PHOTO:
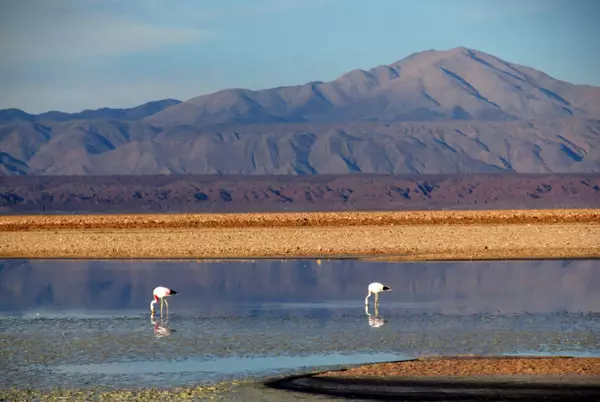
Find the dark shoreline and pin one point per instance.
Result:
(519, 387)
(442, 389)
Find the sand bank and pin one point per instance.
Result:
(457, 378)
(436, 235)
(476, 366)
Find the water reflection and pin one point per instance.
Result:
(215, 287)
(161, 327)
(76, 323)
(374, 320)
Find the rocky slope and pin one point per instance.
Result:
(454, 111)
(184, 193)
(460, 83)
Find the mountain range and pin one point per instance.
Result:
(452, 111)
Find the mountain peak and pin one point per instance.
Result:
(458, 110)
(461, 50)
(449, 84)
(457, 83)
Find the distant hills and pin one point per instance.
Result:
(453, 111)
(131, 114)
(211, 193)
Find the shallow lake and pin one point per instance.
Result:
(87, 323)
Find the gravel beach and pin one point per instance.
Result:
(434, 235)
(476, 366)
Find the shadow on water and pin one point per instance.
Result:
(88, 322)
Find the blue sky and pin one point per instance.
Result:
(72, 55)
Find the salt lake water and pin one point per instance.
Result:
(78, 323)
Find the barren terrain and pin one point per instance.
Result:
(476, 366)
(418, 235)
(205, 193)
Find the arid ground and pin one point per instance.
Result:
(458, 378)
(300, 193)
(476, 366)
(409, 235)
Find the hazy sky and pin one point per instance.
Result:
(72, 55)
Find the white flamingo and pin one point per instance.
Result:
(161, 292)
(375, 288)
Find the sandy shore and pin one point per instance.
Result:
(191, 393)
(476, 366)
(437, 378)
(457, 378)
(436, 235)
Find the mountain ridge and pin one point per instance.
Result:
(450, 111)
(422, 86)
(14, 115)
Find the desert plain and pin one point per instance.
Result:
(465, 366)
(405, 235)
(399, 235)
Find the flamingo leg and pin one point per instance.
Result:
(167, 304)
(376, 298)
(161, 306)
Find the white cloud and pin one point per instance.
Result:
(45, 32)
(36, 30)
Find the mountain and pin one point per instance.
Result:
(461, 84)
(117, 148)
(453, 111)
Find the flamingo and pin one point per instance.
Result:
(375, 288)
(160, 292)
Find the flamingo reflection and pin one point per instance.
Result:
(161, 328)
(374, 320)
